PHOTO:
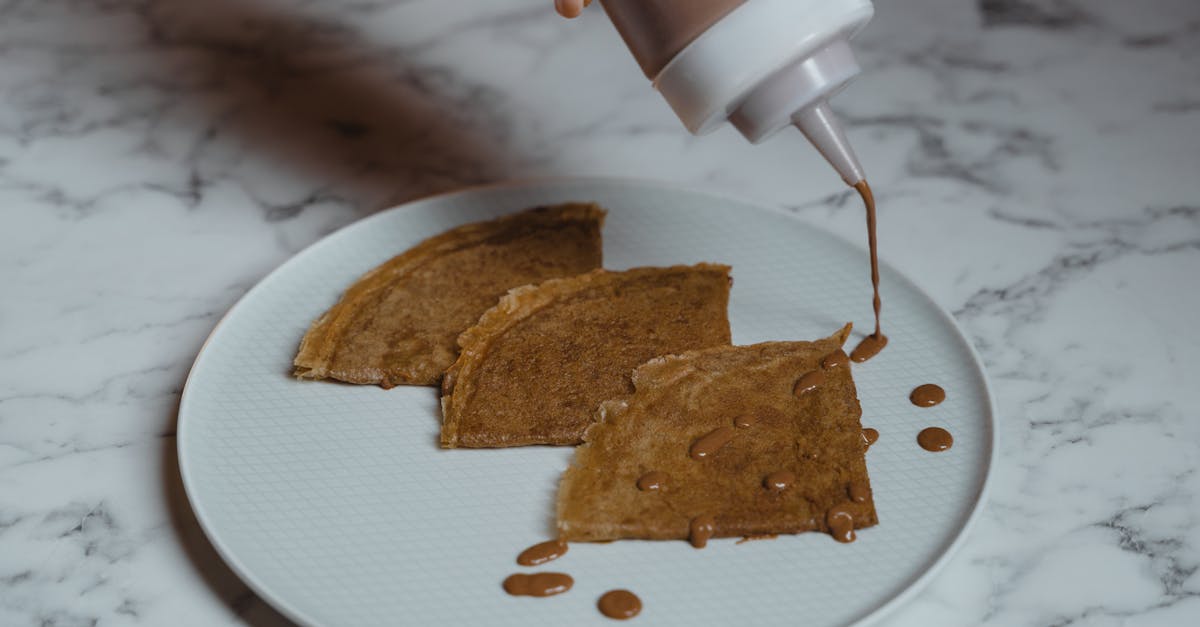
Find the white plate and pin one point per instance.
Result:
(336, 505)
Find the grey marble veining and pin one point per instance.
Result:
(1037, 164)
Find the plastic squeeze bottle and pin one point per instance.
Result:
(760, 64)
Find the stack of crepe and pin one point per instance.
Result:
(533, 343)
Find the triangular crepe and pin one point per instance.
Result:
(791, 423)
(538, 364)
(399, 322)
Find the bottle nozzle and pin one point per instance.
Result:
(821, 127)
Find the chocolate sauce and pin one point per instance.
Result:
(927, 395)
(841, 523)
(870, 436)
(653, 480)
(619, 604)
(657, 30)
(700, 530)
(869, 347)
(779, 481)
(859, 492)
(809, 382)
(711, 442)
(868, 198)
(835, 360)
(538, 584)
(935, 439)
(541, 553)
(745, 421)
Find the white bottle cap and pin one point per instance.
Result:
(767, 65)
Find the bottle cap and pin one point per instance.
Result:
(769, 64)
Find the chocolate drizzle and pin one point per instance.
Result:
(869, 347)
(711, 442)
(868, 198)
(935, 439)
(700, 530)
(653, 480)
(835, 360)
(927, 395)
(619, 604)
(538, 584)
(543, 552)
(841, 523)
(870, 436)
(809, 382)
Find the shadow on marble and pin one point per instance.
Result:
(355, 123)
(220, 579)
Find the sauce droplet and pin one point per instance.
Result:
(619, 604)
(868, 348)
(779, 481)
(935, 439)
(653, 480)
(711, 442)
(927, 395)
(538, 584)
(543, 552)
(745, 421)
(700, 530)
(870, 436)
(859, 492)
(809, 382)
(835, 360)
(841, 523)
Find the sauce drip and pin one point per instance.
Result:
(653, 480)
(619, 604)
(841, 523)
(538, 584)
(700, 530)
(835, 360)
(868, 198)
(859, 492)
(711, 442)
(745, 421)
(927, 395)
(809, 382)
(935, 439)
(868, 348)
(779, 481)
(541, 553)
(870, 436)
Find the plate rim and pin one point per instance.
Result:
(283, 606)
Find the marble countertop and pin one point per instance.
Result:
(1037, 163)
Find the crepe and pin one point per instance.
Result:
(399, 322)
(538, 364)
(812, 432)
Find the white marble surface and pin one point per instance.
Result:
(1037, 163)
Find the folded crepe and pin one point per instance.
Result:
(795, 463)
(399, 322)
(535, 368)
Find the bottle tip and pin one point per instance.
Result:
(819, 124)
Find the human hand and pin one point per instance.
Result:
(570, 8)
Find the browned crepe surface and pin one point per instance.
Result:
(538, 364)
(399, 323)
(816, 435)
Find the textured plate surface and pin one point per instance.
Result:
(335, 503)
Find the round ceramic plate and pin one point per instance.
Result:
(336, 505)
